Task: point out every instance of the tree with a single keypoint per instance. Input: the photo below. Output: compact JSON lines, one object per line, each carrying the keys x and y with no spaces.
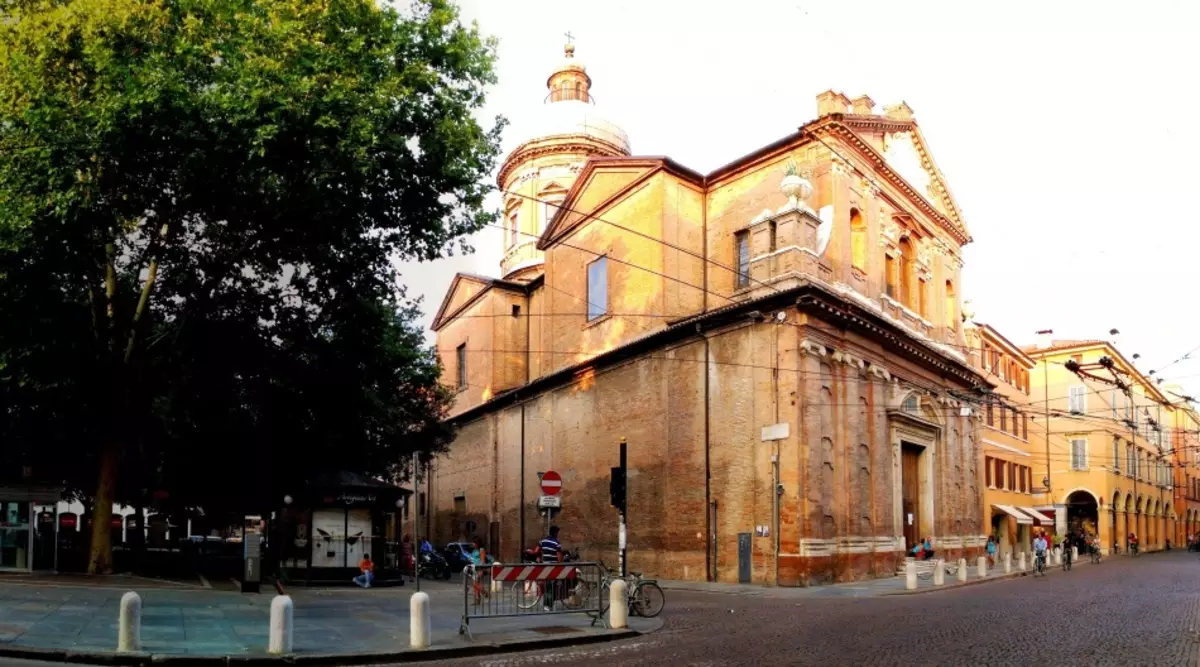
{"x":200,"y":204}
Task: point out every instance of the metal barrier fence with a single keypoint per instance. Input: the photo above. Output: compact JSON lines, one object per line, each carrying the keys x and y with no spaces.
{"x":534,"y":589}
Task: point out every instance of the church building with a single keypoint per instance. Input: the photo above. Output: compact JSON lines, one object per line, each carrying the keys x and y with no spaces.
{"x":780,"y":341}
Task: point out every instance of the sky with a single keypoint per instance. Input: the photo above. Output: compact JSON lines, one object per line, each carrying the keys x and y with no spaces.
{"x":1062,"y":129}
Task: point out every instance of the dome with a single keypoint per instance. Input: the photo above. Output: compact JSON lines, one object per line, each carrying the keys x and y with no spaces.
{"x":572,"y":118}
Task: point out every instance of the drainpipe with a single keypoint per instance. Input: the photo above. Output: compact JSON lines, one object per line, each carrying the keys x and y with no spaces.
{"x":710,"y":520}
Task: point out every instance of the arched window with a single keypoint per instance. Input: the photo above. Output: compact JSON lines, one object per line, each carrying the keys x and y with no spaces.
{"x":906,"y":270}
{"x":889,"y":268}
{"x":951,"y":306}
{"x":858,"y":240}
{"x":579,"y":91}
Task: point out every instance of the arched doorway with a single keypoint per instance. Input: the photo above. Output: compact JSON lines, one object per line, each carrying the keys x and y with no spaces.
{"x":1083,"y":513}
{"x":1115,"y":508}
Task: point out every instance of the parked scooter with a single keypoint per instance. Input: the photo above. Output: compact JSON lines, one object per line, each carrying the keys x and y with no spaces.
{"x":434,"y":566}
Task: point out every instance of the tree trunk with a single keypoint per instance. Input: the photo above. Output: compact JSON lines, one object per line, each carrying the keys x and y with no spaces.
{"x":100,"y":558}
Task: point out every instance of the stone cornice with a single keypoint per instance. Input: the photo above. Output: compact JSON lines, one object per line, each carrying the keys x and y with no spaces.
{"x":851,"y":138}
{"x":574,"y":144}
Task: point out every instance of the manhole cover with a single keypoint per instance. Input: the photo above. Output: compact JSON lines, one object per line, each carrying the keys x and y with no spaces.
{"x":555,"y":630}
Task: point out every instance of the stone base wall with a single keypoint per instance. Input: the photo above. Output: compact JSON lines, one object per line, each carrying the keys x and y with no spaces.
{"x":694,"y":417}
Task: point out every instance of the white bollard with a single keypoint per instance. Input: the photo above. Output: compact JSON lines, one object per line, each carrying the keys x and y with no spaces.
{"x":981,"y":566}
{"x":279,"y":636}
{"x":1074,"y":554}
{"x":1008,"y":563}
{"x":962,"y":569}
{"x":129,"y":628}
{"x":1021,"y":562}
{"x":910,"y":575}
{"x":618,"y":605}
{"x":419,"y":626}
{"x":1057,"y":556}
{"x":939,"y":573}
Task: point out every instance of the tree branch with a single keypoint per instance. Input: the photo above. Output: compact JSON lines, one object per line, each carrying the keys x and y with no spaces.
{"x":144,"y":300}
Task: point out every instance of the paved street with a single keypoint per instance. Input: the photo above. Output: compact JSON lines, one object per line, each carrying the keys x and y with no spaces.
{"x":199,"y":622}
{"x":1121,"y":612}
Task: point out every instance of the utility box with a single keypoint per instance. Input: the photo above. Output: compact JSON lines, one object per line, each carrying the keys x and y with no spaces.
{"x":252,"y":562}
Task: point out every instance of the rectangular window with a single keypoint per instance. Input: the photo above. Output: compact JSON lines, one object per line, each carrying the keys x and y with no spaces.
{"x":889,"y":268}
{"x":990,"y":418}
{"x":1078,"y":454}
{"x":1023,"y":487}
{"x":597,"y":288}
{"x":549,"y":210}
{"x":1117,"y":454}
{"x":741,"y":242}
{"x":987,"y":470}
{"x":1130,"y":461}
{"x":1024,"y":426}
{"x":1003,"y":418}
{"x":1016,"y":431}
{"x":513,"y":227}
{"x":1116,"y":403}
{"x":460,"y":361}
{"x":999,"y":474}
{"x":1012,"y":469}
{"x":460,"y":505}
{"x":923,"y":298}
{"x":1077,"y":400}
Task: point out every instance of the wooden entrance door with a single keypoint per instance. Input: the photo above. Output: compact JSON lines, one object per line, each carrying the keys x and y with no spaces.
{"x":910,"y":494}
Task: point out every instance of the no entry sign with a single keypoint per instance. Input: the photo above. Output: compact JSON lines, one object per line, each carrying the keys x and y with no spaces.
{"x":551,"y":483}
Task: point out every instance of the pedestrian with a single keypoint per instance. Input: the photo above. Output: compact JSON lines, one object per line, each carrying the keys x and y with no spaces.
{"x":406,"y":557}
{"x":551,"y":552}
{"x":480,"y":559}
{"x":426,"y":547}
{"x":927,"y":549}
{"x":367,"y":568}
{"x":991,"y":551}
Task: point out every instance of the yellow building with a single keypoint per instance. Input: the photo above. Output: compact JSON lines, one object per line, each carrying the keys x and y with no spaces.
{"x":1012,"y":440}
{"x":1185,"y":436}
{"x":1110,"y":450}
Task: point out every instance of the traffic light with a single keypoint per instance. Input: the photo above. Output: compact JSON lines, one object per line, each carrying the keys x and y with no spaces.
{"x":616,"y":489}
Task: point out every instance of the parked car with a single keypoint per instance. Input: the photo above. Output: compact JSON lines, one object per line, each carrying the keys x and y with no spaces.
{"x":457,"y":555}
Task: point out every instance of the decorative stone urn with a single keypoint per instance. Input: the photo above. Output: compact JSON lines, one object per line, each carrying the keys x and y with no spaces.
{"x":795,"y":187}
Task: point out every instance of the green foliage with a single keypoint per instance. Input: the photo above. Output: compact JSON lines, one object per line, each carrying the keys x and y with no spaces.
{"x":201,"y":202}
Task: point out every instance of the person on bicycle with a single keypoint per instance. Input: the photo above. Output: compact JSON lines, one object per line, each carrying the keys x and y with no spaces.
{"x":551,"y":552}
{"x":1133,"y":543}
{"x":1067,"y":542}
{"x":1039,"y":550}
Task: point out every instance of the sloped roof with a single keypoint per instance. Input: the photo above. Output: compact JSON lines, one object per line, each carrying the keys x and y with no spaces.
{"x":445,"y":314}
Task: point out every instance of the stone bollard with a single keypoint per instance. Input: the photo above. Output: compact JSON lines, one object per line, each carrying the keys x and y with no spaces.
{"x":1021,"y":561}
{"x":279,"y":637}
{"x":981,"y":566}
{"x":129,"y":627}
{"x":419,"y":629}
{"x":939,"y":573}
{"x":1057,"y":556}
{"x":962,"y":569}
{"x":1008,"y":563}
{"x":618,"y":604}
{"x":910,"y":575}
{"x":1074,"y":554}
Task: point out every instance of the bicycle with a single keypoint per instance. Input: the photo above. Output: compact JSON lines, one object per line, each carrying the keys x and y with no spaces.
{"x":1095,"y":554}
{"x":643,"y":597}
{"x":1066,"y":559}
{"x":1039,"y":564}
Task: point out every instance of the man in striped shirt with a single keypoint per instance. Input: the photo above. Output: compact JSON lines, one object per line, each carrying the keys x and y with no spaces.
{"x":551,"y":552}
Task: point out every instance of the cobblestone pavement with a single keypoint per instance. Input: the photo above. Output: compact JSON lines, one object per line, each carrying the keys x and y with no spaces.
{"x":1125,"y":611}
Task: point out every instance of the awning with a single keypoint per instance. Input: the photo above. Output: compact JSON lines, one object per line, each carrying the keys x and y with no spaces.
{"x":1012,"y":511}
{"x":1041,"y":518}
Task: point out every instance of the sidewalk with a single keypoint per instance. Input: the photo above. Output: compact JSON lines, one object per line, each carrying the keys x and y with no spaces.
{"x":867,"y":588}
{"x":56,"y":621}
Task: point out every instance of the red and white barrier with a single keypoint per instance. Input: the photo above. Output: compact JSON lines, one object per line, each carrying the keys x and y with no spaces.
{"x":532,"y":572}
